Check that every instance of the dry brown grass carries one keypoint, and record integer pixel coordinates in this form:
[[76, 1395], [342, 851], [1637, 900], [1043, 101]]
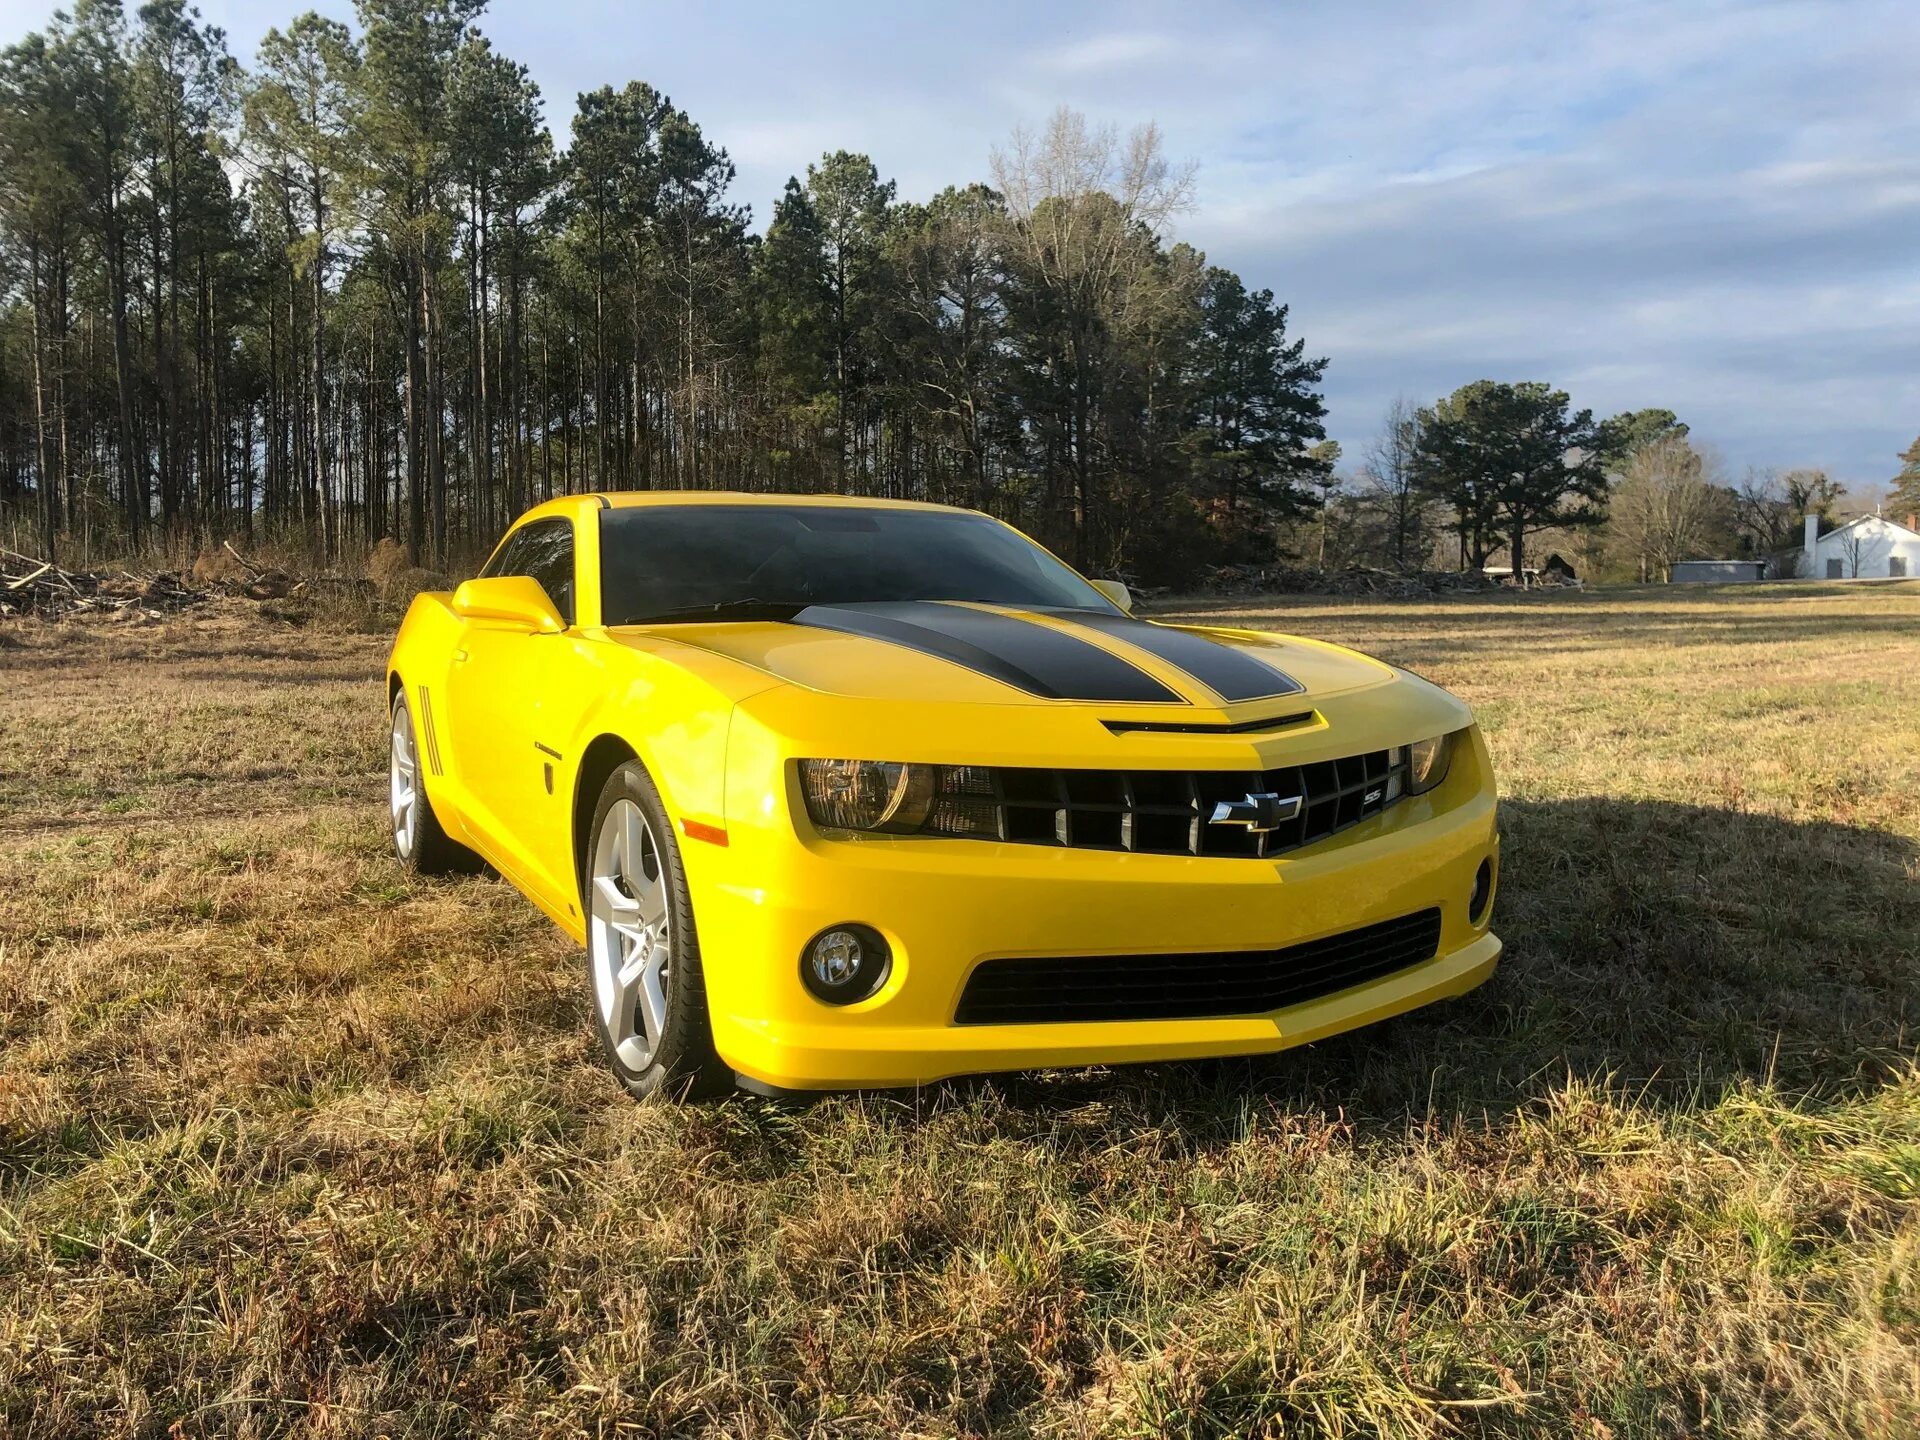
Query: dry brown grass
[[293, 1145]]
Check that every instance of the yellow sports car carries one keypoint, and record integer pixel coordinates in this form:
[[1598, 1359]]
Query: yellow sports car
[[842, 793]]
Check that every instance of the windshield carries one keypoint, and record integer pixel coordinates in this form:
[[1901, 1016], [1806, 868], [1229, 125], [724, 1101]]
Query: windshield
[[686, 562]]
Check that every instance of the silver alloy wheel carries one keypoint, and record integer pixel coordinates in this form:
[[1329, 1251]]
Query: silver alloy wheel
[[628, 940], [403, 783]]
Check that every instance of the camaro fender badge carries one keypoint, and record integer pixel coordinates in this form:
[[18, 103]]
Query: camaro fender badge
[[1259, 813]]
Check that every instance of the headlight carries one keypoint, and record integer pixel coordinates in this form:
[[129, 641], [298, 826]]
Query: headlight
[[1427, 763], [867, 794], [898, 799]]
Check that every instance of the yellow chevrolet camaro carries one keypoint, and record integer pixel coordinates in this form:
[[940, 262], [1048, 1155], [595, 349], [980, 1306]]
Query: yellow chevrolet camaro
[[843, 793]]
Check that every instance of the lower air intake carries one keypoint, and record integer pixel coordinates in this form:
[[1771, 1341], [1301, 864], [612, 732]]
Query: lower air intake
[[1195, 986]]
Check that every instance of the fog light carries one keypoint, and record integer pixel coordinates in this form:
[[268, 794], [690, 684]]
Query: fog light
[[1482, 892], [845, 964]]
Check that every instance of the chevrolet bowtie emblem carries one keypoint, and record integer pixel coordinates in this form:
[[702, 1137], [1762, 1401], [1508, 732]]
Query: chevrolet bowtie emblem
[[1259, 813]]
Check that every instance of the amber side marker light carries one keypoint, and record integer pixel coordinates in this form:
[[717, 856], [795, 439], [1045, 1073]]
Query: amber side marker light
[[696, 830]]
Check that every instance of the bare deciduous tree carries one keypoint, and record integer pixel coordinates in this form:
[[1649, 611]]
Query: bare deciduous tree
[[1667, 505], [1071, 161], [1085, 213], [1769, 509], [1391, 478]]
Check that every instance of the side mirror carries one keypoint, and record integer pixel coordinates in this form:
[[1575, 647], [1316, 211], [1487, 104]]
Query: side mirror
[[1117, 593], [516, 599]]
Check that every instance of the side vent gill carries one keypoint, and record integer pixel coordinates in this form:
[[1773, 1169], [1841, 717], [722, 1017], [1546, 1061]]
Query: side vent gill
[[426, 729]]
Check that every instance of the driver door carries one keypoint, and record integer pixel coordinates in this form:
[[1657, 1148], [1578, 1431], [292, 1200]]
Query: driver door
[[500, 679]]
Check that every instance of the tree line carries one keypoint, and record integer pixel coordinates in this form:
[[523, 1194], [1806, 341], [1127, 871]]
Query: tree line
[[356, 290], [1513, 472]]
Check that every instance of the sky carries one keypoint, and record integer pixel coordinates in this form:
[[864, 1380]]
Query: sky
[[1707, 205]]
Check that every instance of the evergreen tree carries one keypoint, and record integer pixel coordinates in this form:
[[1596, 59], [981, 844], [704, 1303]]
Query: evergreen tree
[[356, 295], [944, 333], [299, 118], [1625, 435], [1905, 495], [40, 210], [1259, 413], [1511, 460], [845, 193], [102, 143]]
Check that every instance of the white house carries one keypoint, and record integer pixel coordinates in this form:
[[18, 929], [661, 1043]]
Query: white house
[[1870, 548]]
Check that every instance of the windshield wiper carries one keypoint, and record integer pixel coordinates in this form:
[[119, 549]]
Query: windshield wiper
[[748, 609]]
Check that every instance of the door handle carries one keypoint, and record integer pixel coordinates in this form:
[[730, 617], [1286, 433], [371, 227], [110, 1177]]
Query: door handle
[[458, 656]]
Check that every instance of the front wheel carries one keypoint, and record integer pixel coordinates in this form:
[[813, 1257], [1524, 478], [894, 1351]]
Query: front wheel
[[643, 956]]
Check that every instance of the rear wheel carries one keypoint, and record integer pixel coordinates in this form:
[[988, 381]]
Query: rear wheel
[[420, 841], [643, 956]]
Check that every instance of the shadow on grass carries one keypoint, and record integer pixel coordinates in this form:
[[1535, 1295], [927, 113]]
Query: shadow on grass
[[1671, 949]]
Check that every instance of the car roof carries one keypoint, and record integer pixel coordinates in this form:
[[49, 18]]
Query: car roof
[[636, 499]]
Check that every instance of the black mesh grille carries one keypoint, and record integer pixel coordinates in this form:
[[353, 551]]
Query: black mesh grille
[[1187, 987], [1168, 812]]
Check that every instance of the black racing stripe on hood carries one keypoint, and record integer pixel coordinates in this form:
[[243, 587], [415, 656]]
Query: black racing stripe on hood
[[1035, 658], [1227, 670]]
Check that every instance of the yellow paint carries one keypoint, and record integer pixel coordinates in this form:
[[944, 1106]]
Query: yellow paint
[[721, 714]]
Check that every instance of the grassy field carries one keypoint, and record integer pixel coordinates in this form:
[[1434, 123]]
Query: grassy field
[[292, 1145]]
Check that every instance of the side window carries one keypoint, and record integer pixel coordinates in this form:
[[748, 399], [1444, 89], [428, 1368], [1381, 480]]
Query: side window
[[506, 560], [1835, 570], [542, 551], [1896, 567]]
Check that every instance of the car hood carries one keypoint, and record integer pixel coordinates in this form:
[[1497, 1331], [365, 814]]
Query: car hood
[[956, 653]]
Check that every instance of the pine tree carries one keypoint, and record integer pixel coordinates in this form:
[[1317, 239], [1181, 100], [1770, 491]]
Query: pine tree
[[1511, 460], [412, 317], [402, 135], [1259, 414], [102, 143], [1905, 495], [943, 332], [299, 122], [846, 194], [40, 204]]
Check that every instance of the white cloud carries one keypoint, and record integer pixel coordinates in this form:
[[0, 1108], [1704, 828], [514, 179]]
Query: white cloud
[[1115, 51]]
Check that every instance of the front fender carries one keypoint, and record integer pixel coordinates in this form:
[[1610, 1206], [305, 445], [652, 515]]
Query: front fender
[[421, 655], [675, 717]]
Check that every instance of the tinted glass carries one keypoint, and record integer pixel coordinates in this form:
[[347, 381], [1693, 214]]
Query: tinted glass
[[544, 552], [660, 559]]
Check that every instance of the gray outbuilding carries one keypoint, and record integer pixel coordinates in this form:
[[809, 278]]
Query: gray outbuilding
[[1716, 572]]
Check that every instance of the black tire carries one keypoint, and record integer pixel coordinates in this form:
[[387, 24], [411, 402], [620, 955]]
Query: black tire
[[427, 849], [682, 1062]]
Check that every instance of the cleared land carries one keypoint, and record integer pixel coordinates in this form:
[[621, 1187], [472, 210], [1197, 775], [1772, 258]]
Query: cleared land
[[290, 1144]]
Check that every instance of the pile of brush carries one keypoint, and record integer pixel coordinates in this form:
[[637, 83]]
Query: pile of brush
[[1283, 579], [30, 586]]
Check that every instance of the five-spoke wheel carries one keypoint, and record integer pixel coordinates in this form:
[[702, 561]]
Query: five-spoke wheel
[[403, 782], [630, 935], [643, 957]]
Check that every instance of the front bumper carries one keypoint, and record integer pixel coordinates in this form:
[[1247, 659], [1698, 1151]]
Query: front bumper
[[946, 905]]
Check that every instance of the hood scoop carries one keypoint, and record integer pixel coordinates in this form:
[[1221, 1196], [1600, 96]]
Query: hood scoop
[[1266, 725]]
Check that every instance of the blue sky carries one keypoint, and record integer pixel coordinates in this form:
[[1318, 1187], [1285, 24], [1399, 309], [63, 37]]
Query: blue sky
[[1710, 205]]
